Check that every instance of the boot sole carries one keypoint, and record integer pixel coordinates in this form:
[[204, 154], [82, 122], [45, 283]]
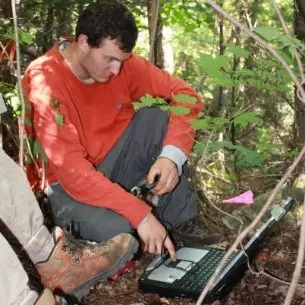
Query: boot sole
[[83, 290]]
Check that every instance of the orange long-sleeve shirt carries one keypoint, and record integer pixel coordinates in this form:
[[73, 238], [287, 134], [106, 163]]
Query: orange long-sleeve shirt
[[94, 117]]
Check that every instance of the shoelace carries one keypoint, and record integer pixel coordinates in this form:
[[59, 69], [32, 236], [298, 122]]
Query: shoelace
[[78, 248]]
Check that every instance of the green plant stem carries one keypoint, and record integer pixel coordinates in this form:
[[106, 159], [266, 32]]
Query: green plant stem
[[21, 124]]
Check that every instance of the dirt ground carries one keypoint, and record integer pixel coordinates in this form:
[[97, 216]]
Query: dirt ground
[[277, 257]]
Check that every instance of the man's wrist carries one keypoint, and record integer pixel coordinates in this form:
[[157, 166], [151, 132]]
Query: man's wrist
[[174, 154], [144, 220]]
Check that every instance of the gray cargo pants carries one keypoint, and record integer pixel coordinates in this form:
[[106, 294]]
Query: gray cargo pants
[[127, 163]]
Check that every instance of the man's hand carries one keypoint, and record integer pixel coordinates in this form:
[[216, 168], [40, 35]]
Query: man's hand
[[167, 171], [153, 235]]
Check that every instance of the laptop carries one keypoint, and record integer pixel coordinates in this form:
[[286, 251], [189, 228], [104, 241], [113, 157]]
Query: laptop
[[188, 275]]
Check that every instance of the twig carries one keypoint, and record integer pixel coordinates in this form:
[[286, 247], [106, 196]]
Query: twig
[[249, 21], [6, 53], [264, 44], [21, 130], [298, 267], [296, 53], [251, 226], [216, 176], [264, 273], [31, 154]]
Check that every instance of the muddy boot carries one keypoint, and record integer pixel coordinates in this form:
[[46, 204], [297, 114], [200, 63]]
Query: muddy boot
[[74, 266]]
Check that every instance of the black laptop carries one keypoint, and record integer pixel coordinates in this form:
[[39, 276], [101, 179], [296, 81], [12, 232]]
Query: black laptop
[[187, 276]]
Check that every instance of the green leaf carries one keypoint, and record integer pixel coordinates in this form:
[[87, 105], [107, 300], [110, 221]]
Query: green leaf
[[245, 118], [210, 63], [177, 110], [284, 75], [28, 122], [149, 101], [267, 33], [286, 41], [38, 151], [27, 108], [25, 38], [248, 157], [222, 79], [59, 119], [209, 123], [213, 145], [183, 98], [245, 157], [55, 105], [15, 102], [237, 50]]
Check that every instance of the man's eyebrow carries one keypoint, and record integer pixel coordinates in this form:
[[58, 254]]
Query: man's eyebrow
[[113, 57]]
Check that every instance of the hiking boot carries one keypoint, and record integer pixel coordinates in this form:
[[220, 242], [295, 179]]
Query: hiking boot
[[193, 233], [75, 266]]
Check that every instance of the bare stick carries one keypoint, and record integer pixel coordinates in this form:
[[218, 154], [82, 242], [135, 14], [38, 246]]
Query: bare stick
[[251, 226], [284, 25], [264, 44], [299, 263], [21, 126]]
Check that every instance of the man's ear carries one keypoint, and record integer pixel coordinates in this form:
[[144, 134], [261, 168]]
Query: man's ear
[[82, 42]]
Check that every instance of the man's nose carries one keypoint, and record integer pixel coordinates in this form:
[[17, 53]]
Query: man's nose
[[115, 68]]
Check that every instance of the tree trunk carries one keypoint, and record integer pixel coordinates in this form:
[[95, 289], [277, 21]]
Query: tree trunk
[[299, 29], [48, 27], [63, 15], [155, 33]]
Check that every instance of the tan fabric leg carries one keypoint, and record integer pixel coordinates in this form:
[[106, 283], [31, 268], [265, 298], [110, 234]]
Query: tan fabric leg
[[20, 213], [14, 289]]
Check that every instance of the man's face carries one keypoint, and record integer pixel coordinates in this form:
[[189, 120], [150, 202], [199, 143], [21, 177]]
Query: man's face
[[104, 62]]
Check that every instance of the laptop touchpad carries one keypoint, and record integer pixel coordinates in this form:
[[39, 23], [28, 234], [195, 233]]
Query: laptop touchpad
[[186, 257]]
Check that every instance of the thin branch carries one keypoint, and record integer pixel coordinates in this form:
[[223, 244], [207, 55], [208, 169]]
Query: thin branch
[[249, 21], [14, 70], [251, 226], [264, 44], [31, 154], [298, 267], [216, 176], [284, 25], [21, 127]]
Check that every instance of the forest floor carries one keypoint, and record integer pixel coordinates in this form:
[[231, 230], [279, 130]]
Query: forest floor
[[277, 257]]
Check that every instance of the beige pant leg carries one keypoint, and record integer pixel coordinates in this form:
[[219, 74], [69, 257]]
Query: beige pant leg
[[20, 213], [14, 289]]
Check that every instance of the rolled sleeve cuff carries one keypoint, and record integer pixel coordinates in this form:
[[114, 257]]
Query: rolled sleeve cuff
[[175, 154]]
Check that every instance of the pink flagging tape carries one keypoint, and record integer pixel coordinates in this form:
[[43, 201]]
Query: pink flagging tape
[[244, 198]]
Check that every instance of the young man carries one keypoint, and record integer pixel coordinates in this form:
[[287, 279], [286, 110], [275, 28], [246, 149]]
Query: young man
[[64, 265], [81, 94]]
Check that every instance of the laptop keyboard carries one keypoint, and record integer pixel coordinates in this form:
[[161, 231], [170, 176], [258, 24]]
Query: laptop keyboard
[[202, 271]]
